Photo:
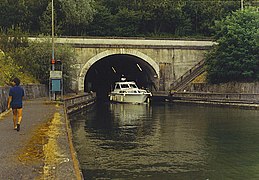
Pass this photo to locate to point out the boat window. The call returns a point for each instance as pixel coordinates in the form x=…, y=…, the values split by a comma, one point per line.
x=124, y=86
x=133, y=86
x=117, y=86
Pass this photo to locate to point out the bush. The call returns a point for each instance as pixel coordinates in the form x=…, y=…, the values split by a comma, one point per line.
x=236, y=57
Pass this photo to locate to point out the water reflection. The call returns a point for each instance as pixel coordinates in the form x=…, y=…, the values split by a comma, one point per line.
x=166, y=141
x=130, y=115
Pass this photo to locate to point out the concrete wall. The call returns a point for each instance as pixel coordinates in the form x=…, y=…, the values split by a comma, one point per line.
x=218, y=97
x=35, y=91
x=233, y=87
x=3, y=97
x=172, y=62
x=180, y=60
x=169, y=58
x=79, y=102
x=31, y=91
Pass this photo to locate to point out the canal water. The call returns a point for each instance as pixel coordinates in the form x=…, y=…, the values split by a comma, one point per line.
x=166, y=141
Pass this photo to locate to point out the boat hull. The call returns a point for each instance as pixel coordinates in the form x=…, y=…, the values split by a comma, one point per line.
x=129, y=98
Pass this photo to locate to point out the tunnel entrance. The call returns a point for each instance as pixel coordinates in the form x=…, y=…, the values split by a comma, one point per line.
x=102, y=75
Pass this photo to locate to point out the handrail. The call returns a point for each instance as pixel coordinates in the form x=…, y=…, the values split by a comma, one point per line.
x=78, y=100
x=187, y=74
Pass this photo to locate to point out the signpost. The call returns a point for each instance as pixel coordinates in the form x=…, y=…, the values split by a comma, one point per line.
x=56, y=82
x=55, y=75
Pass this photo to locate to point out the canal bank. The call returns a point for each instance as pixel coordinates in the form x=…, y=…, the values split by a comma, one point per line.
x=40, y=150
x=232, y=94
x=198, y=91
x=43, y=148
x=237, y=100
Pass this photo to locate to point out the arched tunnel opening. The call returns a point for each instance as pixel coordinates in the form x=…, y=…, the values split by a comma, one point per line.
x=102, y=75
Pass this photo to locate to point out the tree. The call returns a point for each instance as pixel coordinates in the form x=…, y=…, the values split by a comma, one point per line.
x=34, y=16
x=202, y=14
x=127, y=18
x=13, y=14
x=46, y=22
x=33, y=58
x=236, y=56
x=10, y=44
x=37, y=56
x=103, y=22
x=10, y=69
x=117, y=17
x=11, y=39
x=35, y=9
x=74, y=15
x=158, y=17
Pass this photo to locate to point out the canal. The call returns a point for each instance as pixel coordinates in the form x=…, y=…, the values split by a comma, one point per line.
x=166, y=141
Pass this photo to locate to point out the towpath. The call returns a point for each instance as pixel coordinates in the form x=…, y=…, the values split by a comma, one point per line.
x=42, y=148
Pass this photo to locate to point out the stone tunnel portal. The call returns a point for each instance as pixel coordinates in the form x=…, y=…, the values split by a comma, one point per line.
x=102, y=75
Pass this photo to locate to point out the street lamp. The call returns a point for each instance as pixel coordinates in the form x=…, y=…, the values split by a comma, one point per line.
x=53, y=83
x=56, y=76
x=52, y=25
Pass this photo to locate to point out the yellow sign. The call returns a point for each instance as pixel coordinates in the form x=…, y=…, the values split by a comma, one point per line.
x=55, y=74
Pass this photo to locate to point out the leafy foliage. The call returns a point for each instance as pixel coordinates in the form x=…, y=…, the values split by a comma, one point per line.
x=158, y=17
x=34, y=16
x=117, y=17
x=10, y=69
x=14, y=38
x=10, y=43
x=76, y=12
x=31, y=59
x=236, y=56
x=37, y=56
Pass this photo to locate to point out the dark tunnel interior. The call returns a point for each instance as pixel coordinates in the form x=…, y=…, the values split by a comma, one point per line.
x=102, y=75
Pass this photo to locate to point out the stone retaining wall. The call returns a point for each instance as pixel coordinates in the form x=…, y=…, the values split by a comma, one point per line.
x=78, y=102
x=31, y=91
x=233, y=87
x=219, y=97
x=3, y=97
x=242, y=95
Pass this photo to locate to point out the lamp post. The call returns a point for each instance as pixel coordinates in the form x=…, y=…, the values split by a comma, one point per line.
x=56, y=77
x=52, y=27
x=51, y=80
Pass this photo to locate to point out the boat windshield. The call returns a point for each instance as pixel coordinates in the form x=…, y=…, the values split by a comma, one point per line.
x=133, y=86
x=117, y=86
x=124, y=86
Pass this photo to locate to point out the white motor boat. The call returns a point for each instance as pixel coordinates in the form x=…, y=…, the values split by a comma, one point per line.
x=128, y=92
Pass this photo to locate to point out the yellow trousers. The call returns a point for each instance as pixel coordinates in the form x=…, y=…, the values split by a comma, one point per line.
x=17, y=116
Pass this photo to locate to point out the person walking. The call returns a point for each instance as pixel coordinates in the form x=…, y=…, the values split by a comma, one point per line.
x=15, y=98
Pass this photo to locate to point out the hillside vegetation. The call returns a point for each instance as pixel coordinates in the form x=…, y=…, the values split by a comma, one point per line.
x=9, y=69
x=149, y=18
x=30, y=61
